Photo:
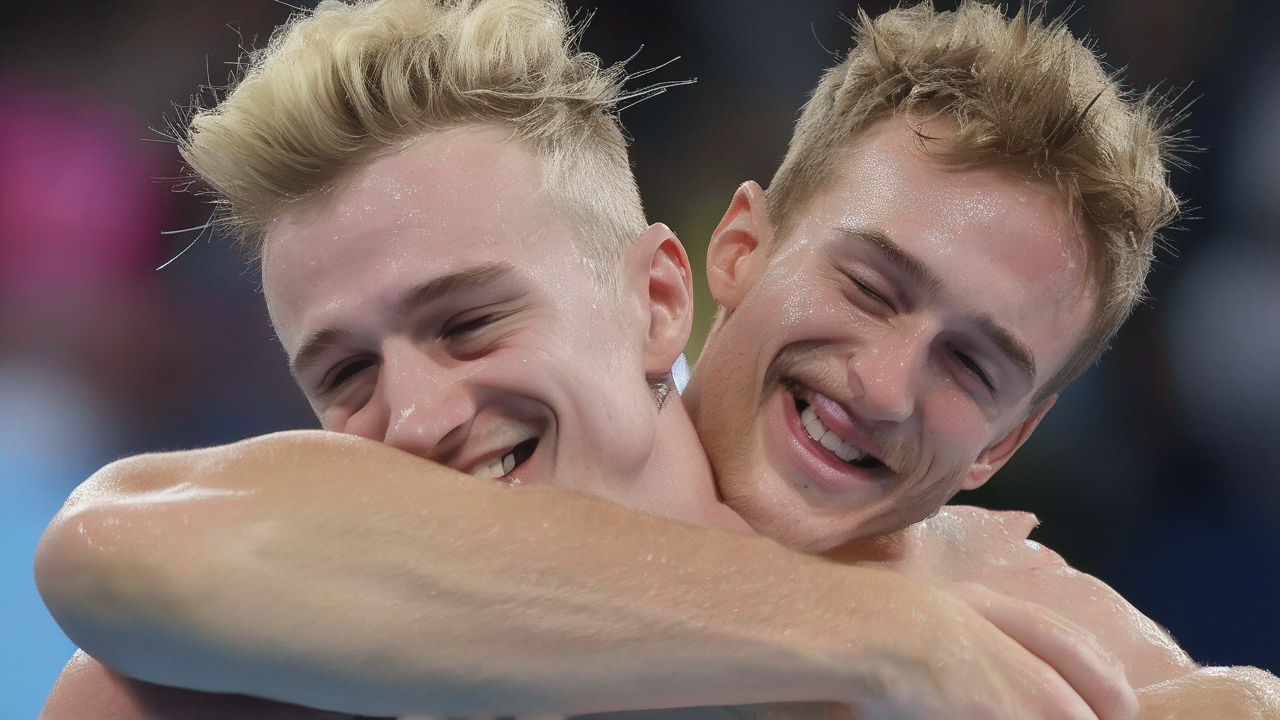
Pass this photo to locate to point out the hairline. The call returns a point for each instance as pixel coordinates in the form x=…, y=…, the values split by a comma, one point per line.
x=606, y=280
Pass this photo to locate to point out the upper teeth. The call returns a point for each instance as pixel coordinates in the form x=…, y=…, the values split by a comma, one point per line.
x=819, y=431
x=497, y=468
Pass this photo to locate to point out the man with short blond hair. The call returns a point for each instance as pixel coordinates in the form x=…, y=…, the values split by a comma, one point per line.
x=999, y=107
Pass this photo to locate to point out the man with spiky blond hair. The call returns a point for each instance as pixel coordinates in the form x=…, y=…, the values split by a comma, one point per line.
x=987, y=104
x=424, y=182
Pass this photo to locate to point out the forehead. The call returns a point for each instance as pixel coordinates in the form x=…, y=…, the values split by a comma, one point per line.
x=449, y=201
x=1002, y=244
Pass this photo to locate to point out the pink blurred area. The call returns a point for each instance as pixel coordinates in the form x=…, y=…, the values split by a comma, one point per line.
x=101, y=354
x=79, y=208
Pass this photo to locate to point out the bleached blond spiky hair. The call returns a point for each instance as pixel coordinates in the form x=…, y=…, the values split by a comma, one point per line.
x=340, y=86
x=1022, y=94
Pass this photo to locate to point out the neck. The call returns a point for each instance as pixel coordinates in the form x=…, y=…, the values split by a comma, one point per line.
x=677, y=480
x=889, y=548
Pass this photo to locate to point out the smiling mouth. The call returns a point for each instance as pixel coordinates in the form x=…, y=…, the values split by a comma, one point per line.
x=818, y=431
x=500, y=467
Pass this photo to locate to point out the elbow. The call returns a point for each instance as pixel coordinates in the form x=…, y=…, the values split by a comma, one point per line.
x=95, y=566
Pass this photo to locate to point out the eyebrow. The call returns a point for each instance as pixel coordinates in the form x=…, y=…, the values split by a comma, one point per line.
x=924, y=276
x=318, y=343
x=903, y=261
x=469, y=279
x=1008, y=343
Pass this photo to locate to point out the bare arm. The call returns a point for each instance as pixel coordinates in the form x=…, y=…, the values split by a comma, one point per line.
x=88, y=691
x=338, y=573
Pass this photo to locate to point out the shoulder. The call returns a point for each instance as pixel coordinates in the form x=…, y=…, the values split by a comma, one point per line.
x=986, y=530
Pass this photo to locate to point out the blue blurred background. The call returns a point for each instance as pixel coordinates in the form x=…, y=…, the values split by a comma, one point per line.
x=1158, y=471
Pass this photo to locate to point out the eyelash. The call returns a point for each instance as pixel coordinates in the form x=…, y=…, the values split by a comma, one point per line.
x=473, y=325
x=972, y=366
x=346, y=372
x=866, y=290
x=969, y=363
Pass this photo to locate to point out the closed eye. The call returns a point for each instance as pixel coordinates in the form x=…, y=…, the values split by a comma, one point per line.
x=469, y=326
x=346, y=372
x=867, y=291
x=466, y=327
x=972, y=366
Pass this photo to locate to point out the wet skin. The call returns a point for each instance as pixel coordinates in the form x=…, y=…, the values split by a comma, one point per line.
x=913, y=311
x=437, y=303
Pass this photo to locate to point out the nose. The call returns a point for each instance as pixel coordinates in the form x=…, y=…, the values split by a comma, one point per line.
x=884, y=375
x=429, y=408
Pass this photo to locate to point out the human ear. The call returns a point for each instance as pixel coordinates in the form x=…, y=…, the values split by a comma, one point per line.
x=739, y=246
x=661, y=280
x=994, y=457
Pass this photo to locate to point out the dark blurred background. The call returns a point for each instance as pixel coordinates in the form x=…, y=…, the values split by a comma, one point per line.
x=1158, y=471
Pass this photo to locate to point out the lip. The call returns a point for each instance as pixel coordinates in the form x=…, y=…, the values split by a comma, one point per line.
x=843, y=427
x=494, y=436
x=521, y=472
x=471, y=466
x=524, y=473
x=830, y=477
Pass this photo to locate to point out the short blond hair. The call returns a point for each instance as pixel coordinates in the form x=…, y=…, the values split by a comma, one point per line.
x=340, y=86
x=1022, y=94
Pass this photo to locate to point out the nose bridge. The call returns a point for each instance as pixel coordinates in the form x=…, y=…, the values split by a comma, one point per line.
x=429, y=409
x=886, y=371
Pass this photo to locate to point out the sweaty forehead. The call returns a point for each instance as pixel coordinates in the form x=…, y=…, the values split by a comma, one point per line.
x=887, y=179
x=409, y=188
x=452, y=198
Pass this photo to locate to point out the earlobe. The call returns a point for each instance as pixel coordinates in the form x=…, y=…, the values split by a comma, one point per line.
x=994, y=457
x=665, y=289
x=739, y=246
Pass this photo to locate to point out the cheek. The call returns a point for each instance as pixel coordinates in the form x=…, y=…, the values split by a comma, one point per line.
x=595, y=372
x=954, y=428
x=369, y=422
x=793, y=310
x=796, y=304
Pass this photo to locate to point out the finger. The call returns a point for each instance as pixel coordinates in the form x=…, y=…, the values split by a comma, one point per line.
x=1010, y=683
x=1066, y=647
x=1037, y=692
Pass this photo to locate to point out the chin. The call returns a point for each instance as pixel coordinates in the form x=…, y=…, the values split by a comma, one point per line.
x=778, y=512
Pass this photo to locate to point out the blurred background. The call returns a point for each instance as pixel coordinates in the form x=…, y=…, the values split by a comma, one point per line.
x=1159, y=471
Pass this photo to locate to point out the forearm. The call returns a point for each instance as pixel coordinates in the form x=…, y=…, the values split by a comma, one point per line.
x=1238, y=693
x=86, y=690
x=411, y=588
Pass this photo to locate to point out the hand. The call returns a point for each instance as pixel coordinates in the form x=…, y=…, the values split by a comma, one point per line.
x=971, y=545
x=1029, y=664
x=1072, y=651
